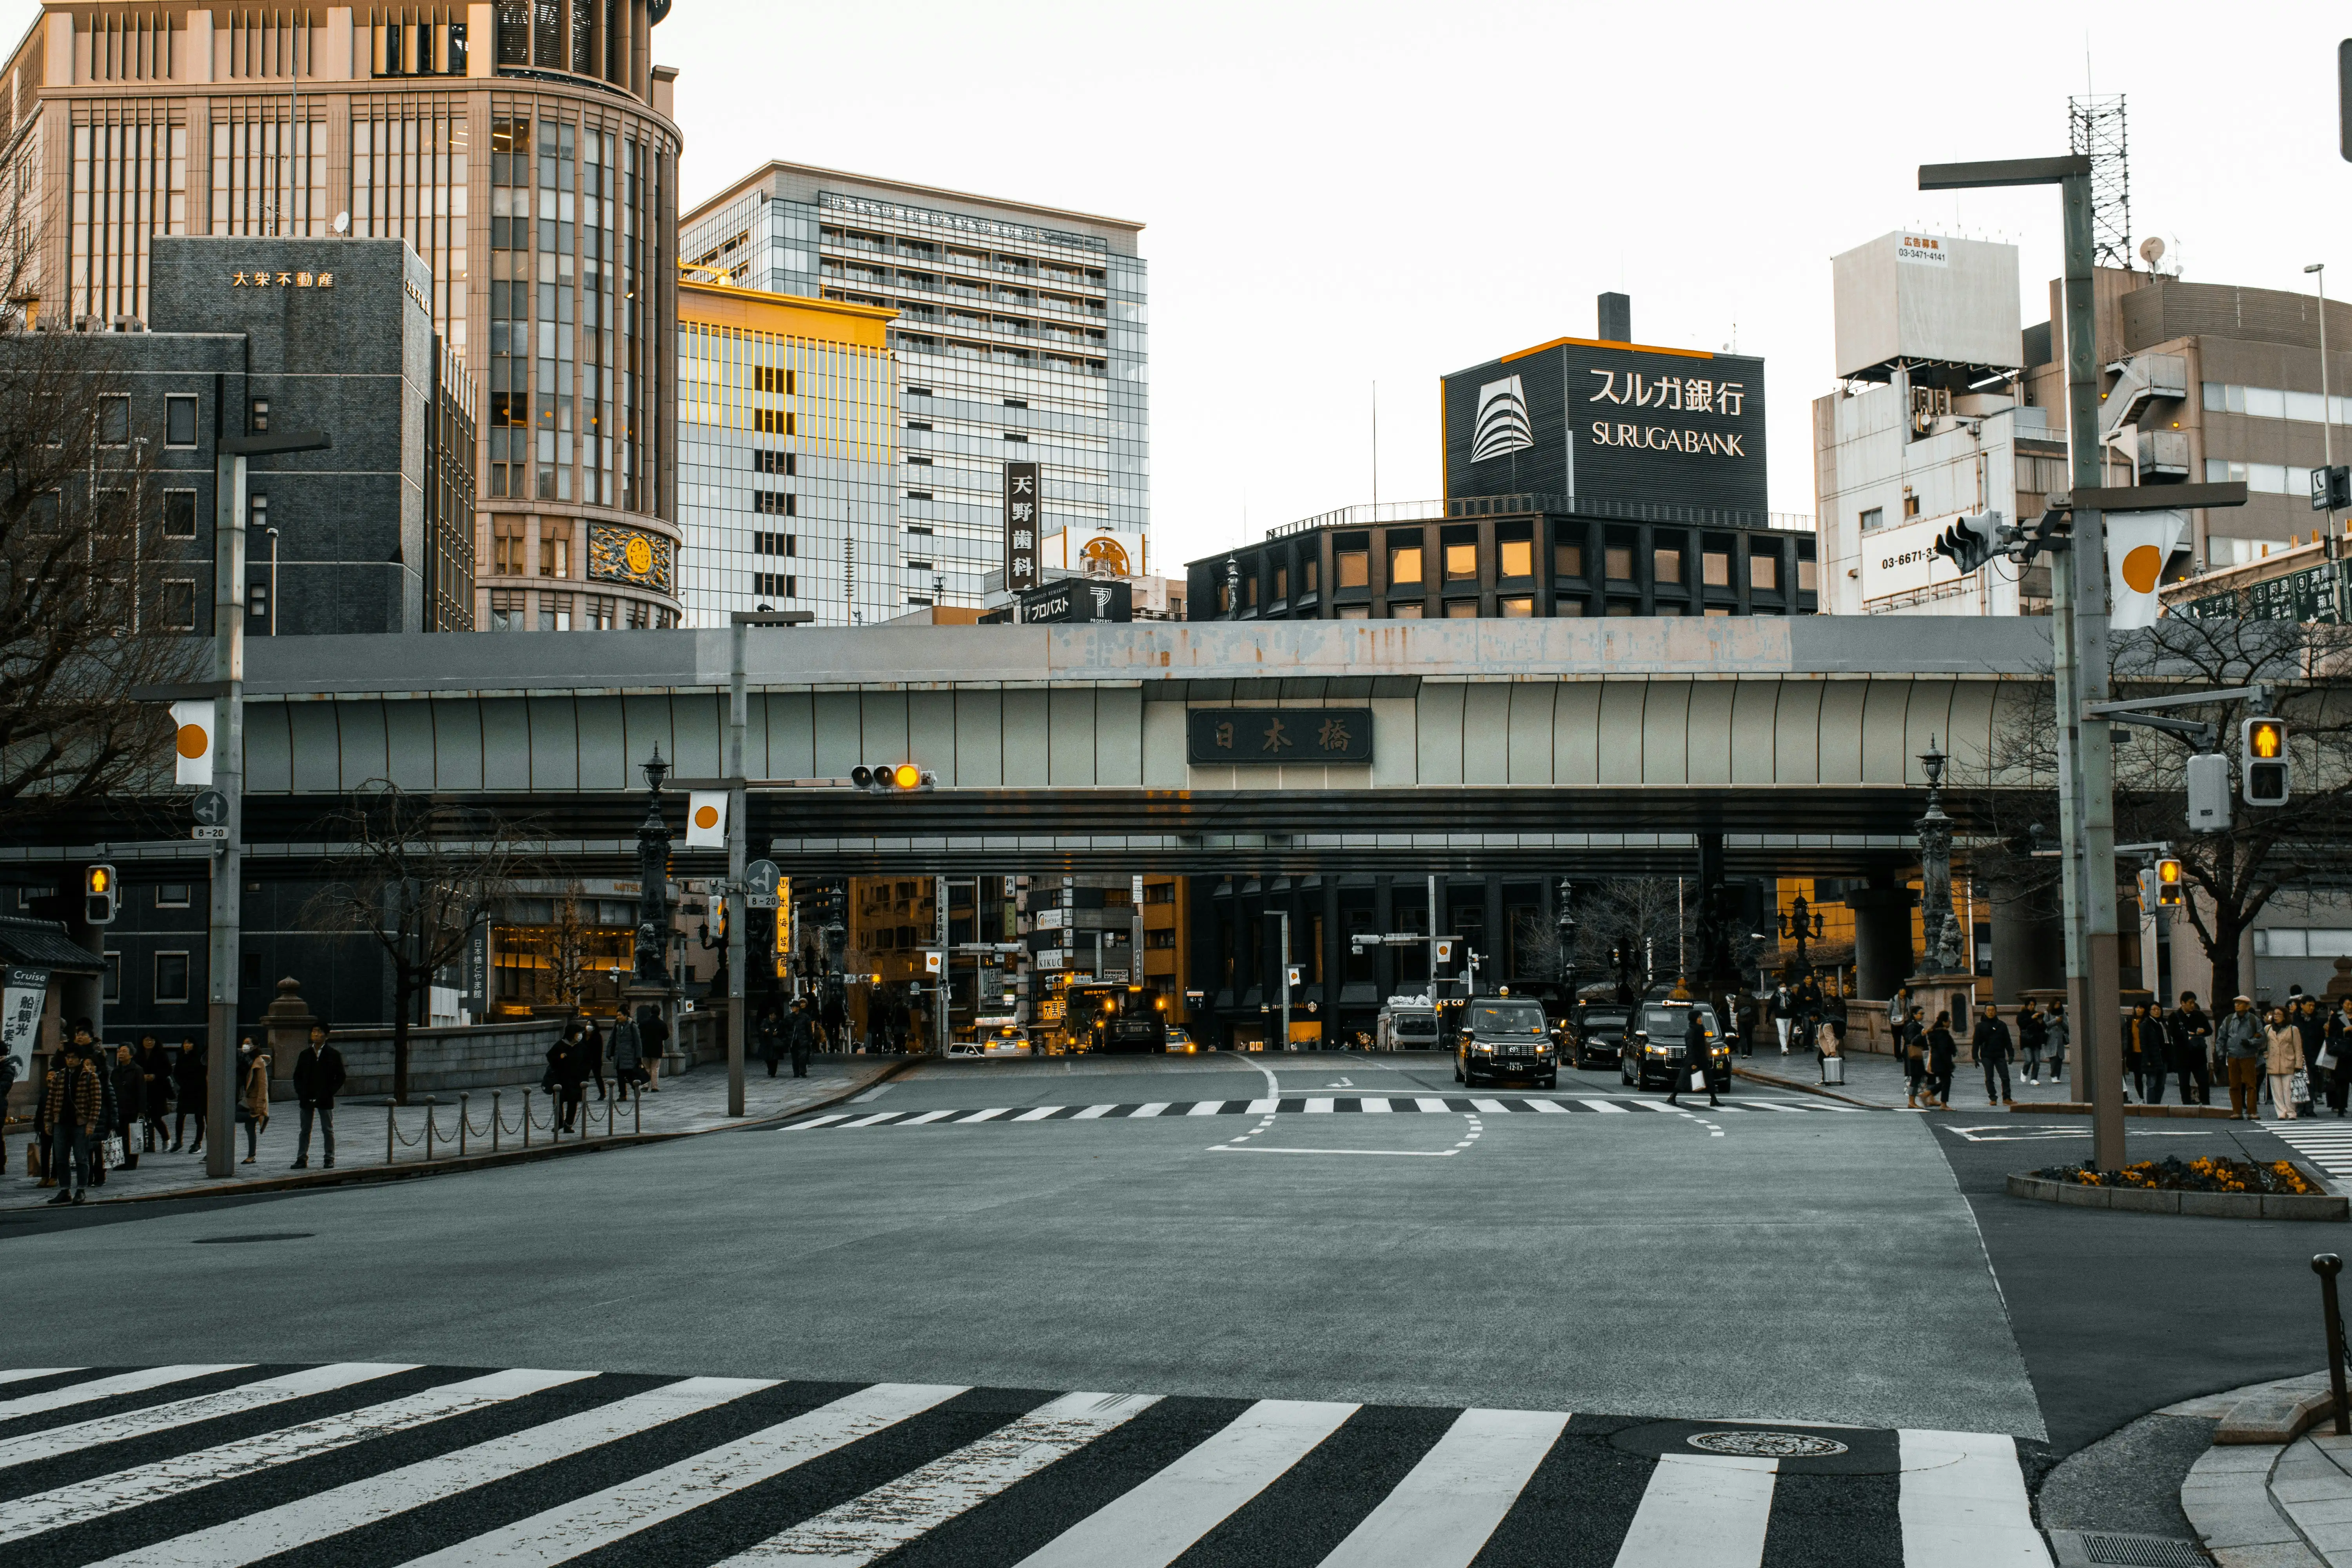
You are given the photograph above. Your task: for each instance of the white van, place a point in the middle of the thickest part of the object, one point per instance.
(1406, 1024)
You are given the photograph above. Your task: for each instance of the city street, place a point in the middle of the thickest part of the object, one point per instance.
(1125, 1309)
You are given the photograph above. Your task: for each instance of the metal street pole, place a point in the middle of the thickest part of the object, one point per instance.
(2318, 270)
(1284, 915)
(228, 777)
(739, 806)
(940, 925)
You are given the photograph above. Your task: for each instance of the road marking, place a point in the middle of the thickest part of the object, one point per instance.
(27, 1373)
(1039, 1114)
(1656, 1105)
(870, 1121)
(877, 1092)
(926, 1116)
(983, 1115)
(1264, 1106)
(1320, 1107)
(1963, 1504)
(1440, 1514)
(1271, 1149)
(258, 1395)
(1153, 1524)
(363, 1502)
(110, 1387)
(1154, 1109)
(590, 1523)
(817, 1121)
(1553, 1106)
(1206, 1108)
(1702, 1507)
(882, 1521)
(208, 1467)
(1428, 1104)
(1604, 1105)
(1091, 1111)
(1377, 1105)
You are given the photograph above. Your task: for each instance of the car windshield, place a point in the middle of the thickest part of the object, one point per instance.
(1507, 1019)
(1416, 1024)
(1674, 1023)
(1600, 1020)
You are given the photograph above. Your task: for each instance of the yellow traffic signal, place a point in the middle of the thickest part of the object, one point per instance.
(890, 778)
(2167, 883)
(98, 895)
(2267, 780)
(2265, 738)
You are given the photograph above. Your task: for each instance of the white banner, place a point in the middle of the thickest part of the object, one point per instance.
(21, 999)
(191, 743)
(706, 819)
(2138, 544)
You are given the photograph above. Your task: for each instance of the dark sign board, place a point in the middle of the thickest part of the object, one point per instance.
(1215, 736)
(1610, 422)
(1020, 526)
(1078, 599)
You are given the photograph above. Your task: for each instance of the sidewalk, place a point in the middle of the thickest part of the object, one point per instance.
(694, 1103)
(2271, 1505)
(1878, 1080)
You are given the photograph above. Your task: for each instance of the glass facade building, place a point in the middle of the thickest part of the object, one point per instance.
(788, 457)
(1020, 336)
(524, 148)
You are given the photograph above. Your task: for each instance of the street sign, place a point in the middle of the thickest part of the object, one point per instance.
(210, 809)
(202, 830)
(759, 900)
(762, 876)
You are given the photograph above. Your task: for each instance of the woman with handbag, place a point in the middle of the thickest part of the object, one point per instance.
(1914, 1038)
(1697, 1070)
(252, 1095)
(2283, 1061)
(2337, 1046)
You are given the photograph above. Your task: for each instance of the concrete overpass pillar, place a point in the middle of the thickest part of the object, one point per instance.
(1335, 962)
(1383, 920)
(1498, 939)
(1882, 936)
(2029, 949)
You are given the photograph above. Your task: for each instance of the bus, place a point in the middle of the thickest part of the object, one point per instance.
(1108, 1017)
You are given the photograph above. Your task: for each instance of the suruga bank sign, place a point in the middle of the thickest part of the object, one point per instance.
(1609, 423)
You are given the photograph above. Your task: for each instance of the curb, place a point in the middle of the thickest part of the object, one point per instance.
(2210, 1205)
(2231, 1495)
(2078, 1108)
(1779, 1082)
(360, 1175)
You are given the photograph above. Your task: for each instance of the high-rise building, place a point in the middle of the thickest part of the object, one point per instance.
(1020, 337)
(788, 447)
(524, 148)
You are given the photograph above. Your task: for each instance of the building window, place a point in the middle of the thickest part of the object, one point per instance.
(774, 585)
(1667, 564)
(1573, 607)
(1567, 561)
(179, 514)
(603, 610)
(1715, 567)
(1620, 607)
(1515, 558)
(256, 601)
(172, 895)
(1282, 582)
(114, 420)
(1764, 572)
(1307, 571)
(1875, 518)
(1404, 565)
(1461, 562)
(1718, 609)
(1806, 577)
(1224, 598)
(506, 610)
(1353, 567)
(555, 558)
(1355, 612)
(1462, 610)
(113, 961)
(1517, 608)
(1408, 611)
(506, 556)
(1249, 590)
(776, 463)
(177, 606)
(775, 503)
(1910, 506)
(257, 417)
(554, 611)
(1618, 559)
(179, 421)
(171, 977)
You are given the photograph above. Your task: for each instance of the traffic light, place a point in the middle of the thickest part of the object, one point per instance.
(891, 778)
(2208, 793)
(2167, 883)
(2267, 779)
(1971, 540)
(98, 895)
(2331, 489)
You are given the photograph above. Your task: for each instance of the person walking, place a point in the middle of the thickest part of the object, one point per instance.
(1911, 1040)
(86, 1043)
(2061, 1036)
(129, 1104)
(567, 1063)
(628, 1070)
(2337, 1043)
(1943, 1052)
(2156, 1051)
(2191, 1033)
(2032, 1033)
(2134, 1067)
(1784, 1010)
(591, 1054)
(155, 1075)
(800, 1035)
(1696, 1060)
(2309, 1024)
(2242, 1047)
(318, 1079)
(653, 1039)
(2281, 1055)
(71, 1105)
(1989, 1044)
(188, 1079)
(252, 1095)
(772, 1041)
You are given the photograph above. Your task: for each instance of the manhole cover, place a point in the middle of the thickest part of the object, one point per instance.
(254, 1236)
(1767, 1445)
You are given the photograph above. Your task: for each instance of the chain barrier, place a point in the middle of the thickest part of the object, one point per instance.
(527, 1121)
(2327, 1266)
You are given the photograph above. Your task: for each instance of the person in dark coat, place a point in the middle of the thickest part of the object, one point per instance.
(2338, 1038)
(2032, 1033)
(318, 1079)
(188, 1079)
(591, 1053)
(129, 1103)
(71, 1106)
(155, 1075)
(1989, 1044)
(567, 1066)
(2190, 1034)
(628, 1069)
(652, 1038)
(1942, 1052)
(799, 1034)
(1695, 1055)
(772, 1041)
(86, 1041)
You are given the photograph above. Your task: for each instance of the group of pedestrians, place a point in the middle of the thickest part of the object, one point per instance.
(578, 1056)
(796, 1034)
(2299, 1048)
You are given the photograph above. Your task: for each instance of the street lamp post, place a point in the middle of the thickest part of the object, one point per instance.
(1802, 924)
(1939, 933)
(2318, 271)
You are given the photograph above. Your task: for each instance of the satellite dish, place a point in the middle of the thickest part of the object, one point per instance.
(342, 223)
(2151, 250)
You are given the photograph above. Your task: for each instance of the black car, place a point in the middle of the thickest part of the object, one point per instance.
(1652, 1053)
(1601, 1035)
(1504, 1037)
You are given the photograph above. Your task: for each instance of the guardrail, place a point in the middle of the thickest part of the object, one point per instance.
(528, 1122)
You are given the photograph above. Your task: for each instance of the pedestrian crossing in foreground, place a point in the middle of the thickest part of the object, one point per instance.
(1309, 1105)
(2326, 1145)
(190, 1465)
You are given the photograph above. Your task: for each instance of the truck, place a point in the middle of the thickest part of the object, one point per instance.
(1406, 1024)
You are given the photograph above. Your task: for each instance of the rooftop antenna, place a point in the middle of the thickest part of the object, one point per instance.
(2096, 129)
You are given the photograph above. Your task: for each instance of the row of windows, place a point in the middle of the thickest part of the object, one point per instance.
(774, 463)
(775, 503)
(923, 249)
(774, 544)
(775, 584)
(508, 554)
(566, 612)
(179, 419)
(955, 348)
(2263, 479)
(2272, 402)
(1515, 558)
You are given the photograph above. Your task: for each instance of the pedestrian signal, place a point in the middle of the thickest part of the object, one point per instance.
(2267, 777)
(2208, 793)
(890, 778)
(98, 895)
(2167, 883)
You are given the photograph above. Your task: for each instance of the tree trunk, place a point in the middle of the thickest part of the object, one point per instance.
(2224, 950)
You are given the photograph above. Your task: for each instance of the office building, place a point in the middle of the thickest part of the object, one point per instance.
(254, 336)
(1020, 337)
(524, 148)
(788, 448)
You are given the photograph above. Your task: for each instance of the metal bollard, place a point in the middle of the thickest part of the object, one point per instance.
(462, 1119)
(428, 1131)
(526, 1119)
(496, 1125)
(2327, 1266)
(637, 1116)
(391, 1129)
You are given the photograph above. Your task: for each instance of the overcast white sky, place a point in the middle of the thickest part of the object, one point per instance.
(1336, 195)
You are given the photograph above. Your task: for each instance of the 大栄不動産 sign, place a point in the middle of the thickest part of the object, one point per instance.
(1222, 736)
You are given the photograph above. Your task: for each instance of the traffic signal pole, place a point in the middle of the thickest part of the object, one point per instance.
(228, 777)
(739, 806)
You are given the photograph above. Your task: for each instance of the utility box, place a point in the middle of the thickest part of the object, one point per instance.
(2163, 454)
(2208, 793)
(1924, 299)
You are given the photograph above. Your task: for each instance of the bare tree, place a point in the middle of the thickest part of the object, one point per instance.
(569, 939)
(87, 613)
(1633, 928)
(418, 877)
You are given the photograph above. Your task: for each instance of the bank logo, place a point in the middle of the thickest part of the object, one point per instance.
(1503, 424)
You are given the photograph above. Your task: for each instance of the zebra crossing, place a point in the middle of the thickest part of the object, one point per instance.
(1307, 1105)
(2326, 1145)
(203, 1465)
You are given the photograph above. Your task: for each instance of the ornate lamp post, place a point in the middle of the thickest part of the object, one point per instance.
(1800, 925)
(1939, 930)
(653, 883)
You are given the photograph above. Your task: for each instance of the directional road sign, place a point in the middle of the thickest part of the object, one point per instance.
(210, 809)
(762, 876)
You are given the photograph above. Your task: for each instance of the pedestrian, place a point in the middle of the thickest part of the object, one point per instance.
(155, 1075)
(1911, 1039)
(2338, 1047)
(2191, 1033)
(567, 1066)
(86, 1043)
(129, 1104)
(2308, 1023)
(800, 1035)
(188, 1077)
(318, 1079)
(2240, 1041)
(1833, 1027)
(591, 1053)
(2156, 1051)
(627, 1069)
(2134, 1071)
(2060, 1036)
(1698, 1063)
(1989, 1044)
(71, 1104)
(2282, 1058)
(1784, 1010)
(1746, 1016)
(2032, 1033)
(252, 1095)
(772, 1041)
(1943, 1051)
(653, 1039)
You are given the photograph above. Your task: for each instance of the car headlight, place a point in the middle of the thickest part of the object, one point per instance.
(1482, 1046)
(1655, 1050)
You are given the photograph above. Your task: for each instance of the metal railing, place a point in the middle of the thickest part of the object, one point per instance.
(1522, 505)
(528, 1121)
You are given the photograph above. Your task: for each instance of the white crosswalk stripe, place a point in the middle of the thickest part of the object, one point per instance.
(1134, 1480)
(1311, 1105)
(2329, 1148)
(106, 1388)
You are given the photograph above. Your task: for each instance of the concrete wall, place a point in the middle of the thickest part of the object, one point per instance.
(442, 1060)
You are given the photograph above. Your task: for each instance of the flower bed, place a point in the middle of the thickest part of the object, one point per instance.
(2203, 1174)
